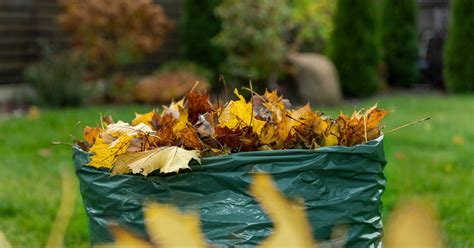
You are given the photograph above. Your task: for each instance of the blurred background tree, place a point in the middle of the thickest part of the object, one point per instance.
(400, 41)
(253, 37)
(199, 25)
(311, 23)
(459, 50)
(111, 33)
(258, 35)
(354, 47)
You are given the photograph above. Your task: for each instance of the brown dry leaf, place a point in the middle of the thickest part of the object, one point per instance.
(198, 104)
(291, 226)
(91, 134)
(170, 228)
(312, 127)
(166, 159)
(353, 130)
(412, 225)
(190, 139)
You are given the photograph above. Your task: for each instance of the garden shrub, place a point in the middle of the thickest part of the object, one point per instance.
(400, 41)
(57, 80)
(111, 33)
(172, 81)
(311, 21)
(199, 26)
(258, 35)
(253, 37)
(353, 47)
(459, 50)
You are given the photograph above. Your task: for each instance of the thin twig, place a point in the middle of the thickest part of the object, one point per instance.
(222, 79)
(409, 124)
(61, 143)
(291, 117)
(194, 87)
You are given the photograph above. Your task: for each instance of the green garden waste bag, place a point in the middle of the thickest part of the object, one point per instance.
(339, 186)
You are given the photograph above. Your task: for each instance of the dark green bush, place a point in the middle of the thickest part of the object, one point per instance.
(353, 47)
(400, 41)
(57, 80)
(459, 50)
(199, 26)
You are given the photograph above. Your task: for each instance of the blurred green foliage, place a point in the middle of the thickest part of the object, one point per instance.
(257, 35)
(199, 25)
(312, 20)
(459, 49)
(400, 41)
(253, 37)
(354, 47)
(57, 80)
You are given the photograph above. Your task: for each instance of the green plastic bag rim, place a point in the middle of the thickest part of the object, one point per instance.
(361, 149)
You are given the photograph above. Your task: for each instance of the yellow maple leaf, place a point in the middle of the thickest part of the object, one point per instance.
(143, 118)
(164, 222)
(239, 114)
(105, 154)
(182, 121)
(291, 226)
(166, 159)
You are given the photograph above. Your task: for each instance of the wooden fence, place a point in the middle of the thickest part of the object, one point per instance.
(25, 23)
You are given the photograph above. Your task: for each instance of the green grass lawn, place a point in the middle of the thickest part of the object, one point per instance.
(423, 163)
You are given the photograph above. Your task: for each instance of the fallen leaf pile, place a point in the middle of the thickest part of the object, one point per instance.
(194, 127)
